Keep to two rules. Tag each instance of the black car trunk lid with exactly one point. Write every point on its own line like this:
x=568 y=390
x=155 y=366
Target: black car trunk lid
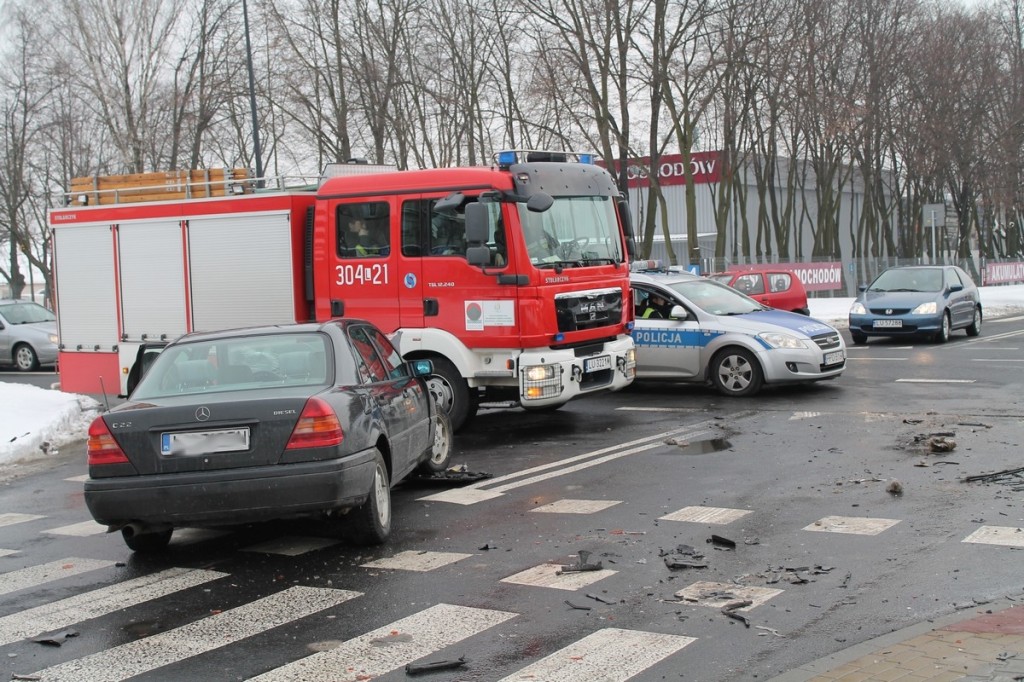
x=222 y=432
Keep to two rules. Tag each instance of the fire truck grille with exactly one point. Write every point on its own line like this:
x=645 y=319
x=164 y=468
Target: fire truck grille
x=588 y=309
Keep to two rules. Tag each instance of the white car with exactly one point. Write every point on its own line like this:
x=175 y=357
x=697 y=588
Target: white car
x=705 y=332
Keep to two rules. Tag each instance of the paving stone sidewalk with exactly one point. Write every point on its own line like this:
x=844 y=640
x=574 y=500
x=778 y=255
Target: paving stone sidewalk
x=985 y=644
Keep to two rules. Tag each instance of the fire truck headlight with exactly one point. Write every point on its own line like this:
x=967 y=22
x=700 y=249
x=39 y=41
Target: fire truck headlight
x=541 y=381
x=540 y=372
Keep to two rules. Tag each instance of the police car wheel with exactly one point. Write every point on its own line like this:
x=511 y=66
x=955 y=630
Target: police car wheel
x=735 y=372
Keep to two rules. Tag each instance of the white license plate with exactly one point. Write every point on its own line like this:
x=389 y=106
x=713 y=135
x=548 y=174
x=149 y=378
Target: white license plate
x=887 y=324
x=834 y=358
x=595 y=364
x=204 y=442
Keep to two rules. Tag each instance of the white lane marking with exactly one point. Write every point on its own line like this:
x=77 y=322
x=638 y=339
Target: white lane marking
x=996 y=359
x=713 y=515
x=392 y=646
x=568 y=506
x=417 y=561
x=990 y=338
x=8 y=552
x=290 y=546
x=878 y=359
x=853 y=525
x=716 y=595
x=1007 y=319
x=47 y=573
x=805 y=415
x=11 y=518
x=206 y=634
x=547 y=575
x=61 y=614
x=475 y=492
x=935 y=381
x=1008 y=536
x=657 y=409
x=609 y=655
x=83 y=529
x=78 y=479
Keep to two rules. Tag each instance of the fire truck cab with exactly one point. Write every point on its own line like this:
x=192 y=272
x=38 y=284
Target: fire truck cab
x=512 y=279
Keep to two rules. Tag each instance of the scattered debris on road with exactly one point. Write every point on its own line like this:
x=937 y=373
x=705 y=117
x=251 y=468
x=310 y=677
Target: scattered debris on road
x=56 y=638
x=730 y=610
x=417 y=668
x=582 y=565
x=718 y=542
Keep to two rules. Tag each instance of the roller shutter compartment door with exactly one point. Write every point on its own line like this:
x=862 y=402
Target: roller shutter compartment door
x=241 y=271
x=87 y=305
x=152 y=269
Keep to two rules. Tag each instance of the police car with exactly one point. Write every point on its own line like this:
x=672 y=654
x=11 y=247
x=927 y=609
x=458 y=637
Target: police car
x=694 y=329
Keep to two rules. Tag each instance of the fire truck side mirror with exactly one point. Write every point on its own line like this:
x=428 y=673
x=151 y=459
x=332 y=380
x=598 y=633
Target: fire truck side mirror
x=539 y=202
x=627 y=226
x=450 y=202
x=477 y=224
x=477 y=230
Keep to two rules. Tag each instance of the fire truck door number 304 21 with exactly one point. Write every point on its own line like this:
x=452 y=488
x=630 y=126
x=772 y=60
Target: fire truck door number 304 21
x=358 y=273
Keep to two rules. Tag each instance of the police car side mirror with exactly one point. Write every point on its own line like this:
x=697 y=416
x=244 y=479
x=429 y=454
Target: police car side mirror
x=678 y=313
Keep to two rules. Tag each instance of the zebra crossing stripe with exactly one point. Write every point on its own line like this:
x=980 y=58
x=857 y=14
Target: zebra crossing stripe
x=11 y=518
x=609 y=655
x=390 y=647
x=46 y=573
x=222 y=629
x=67 y=612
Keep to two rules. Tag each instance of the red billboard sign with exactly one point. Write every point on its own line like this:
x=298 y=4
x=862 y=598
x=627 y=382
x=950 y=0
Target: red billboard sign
x=815 y=276
x=706 y=168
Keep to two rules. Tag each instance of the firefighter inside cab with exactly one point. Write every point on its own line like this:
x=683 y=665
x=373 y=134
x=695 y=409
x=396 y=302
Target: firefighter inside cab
x=363 y=235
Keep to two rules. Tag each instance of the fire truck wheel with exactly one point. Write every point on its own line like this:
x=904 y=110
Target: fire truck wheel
x=440 y=446
x=371 y=523
x=451 y=392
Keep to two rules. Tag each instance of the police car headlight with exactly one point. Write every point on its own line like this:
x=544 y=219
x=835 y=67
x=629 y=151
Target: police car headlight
x=779 y=340
x=925 y=309
x=858 y=309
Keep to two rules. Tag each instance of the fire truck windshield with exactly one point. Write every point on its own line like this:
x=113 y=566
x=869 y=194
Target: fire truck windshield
x=574 y=232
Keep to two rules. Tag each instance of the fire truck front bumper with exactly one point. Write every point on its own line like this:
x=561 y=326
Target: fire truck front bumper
x=554 y=376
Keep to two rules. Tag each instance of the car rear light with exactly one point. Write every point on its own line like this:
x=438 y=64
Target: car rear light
x=318 y=427
x=102 y=447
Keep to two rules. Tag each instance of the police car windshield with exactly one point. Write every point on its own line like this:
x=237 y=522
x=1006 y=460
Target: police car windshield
x=715 y=298
x=574 y=232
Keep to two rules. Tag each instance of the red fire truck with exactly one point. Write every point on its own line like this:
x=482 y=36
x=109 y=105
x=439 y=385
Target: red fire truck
x=513 y=280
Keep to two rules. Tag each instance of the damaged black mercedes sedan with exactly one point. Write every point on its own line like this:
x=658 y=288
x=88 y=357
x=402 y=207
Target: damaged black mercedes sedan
x=247 y=425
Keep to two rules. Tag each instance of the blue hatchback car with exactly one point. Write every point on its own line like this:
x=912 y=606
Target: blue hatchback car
x=917 y=300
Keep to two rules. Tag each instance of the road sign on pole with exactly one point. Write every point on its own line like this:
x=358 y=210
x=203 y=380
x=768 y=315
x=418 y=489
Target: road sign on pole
x=934 y=215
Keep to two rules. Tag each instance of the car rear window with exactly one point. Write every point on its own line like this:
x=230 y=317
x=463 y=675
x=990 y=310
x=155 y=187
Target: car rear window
x=237 y=363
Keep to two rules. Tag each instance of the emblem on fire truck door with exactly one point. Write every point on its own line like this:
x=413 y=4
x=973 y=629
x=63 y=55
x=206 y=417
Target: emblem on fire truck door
x=409 y=280
x=480 y=314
